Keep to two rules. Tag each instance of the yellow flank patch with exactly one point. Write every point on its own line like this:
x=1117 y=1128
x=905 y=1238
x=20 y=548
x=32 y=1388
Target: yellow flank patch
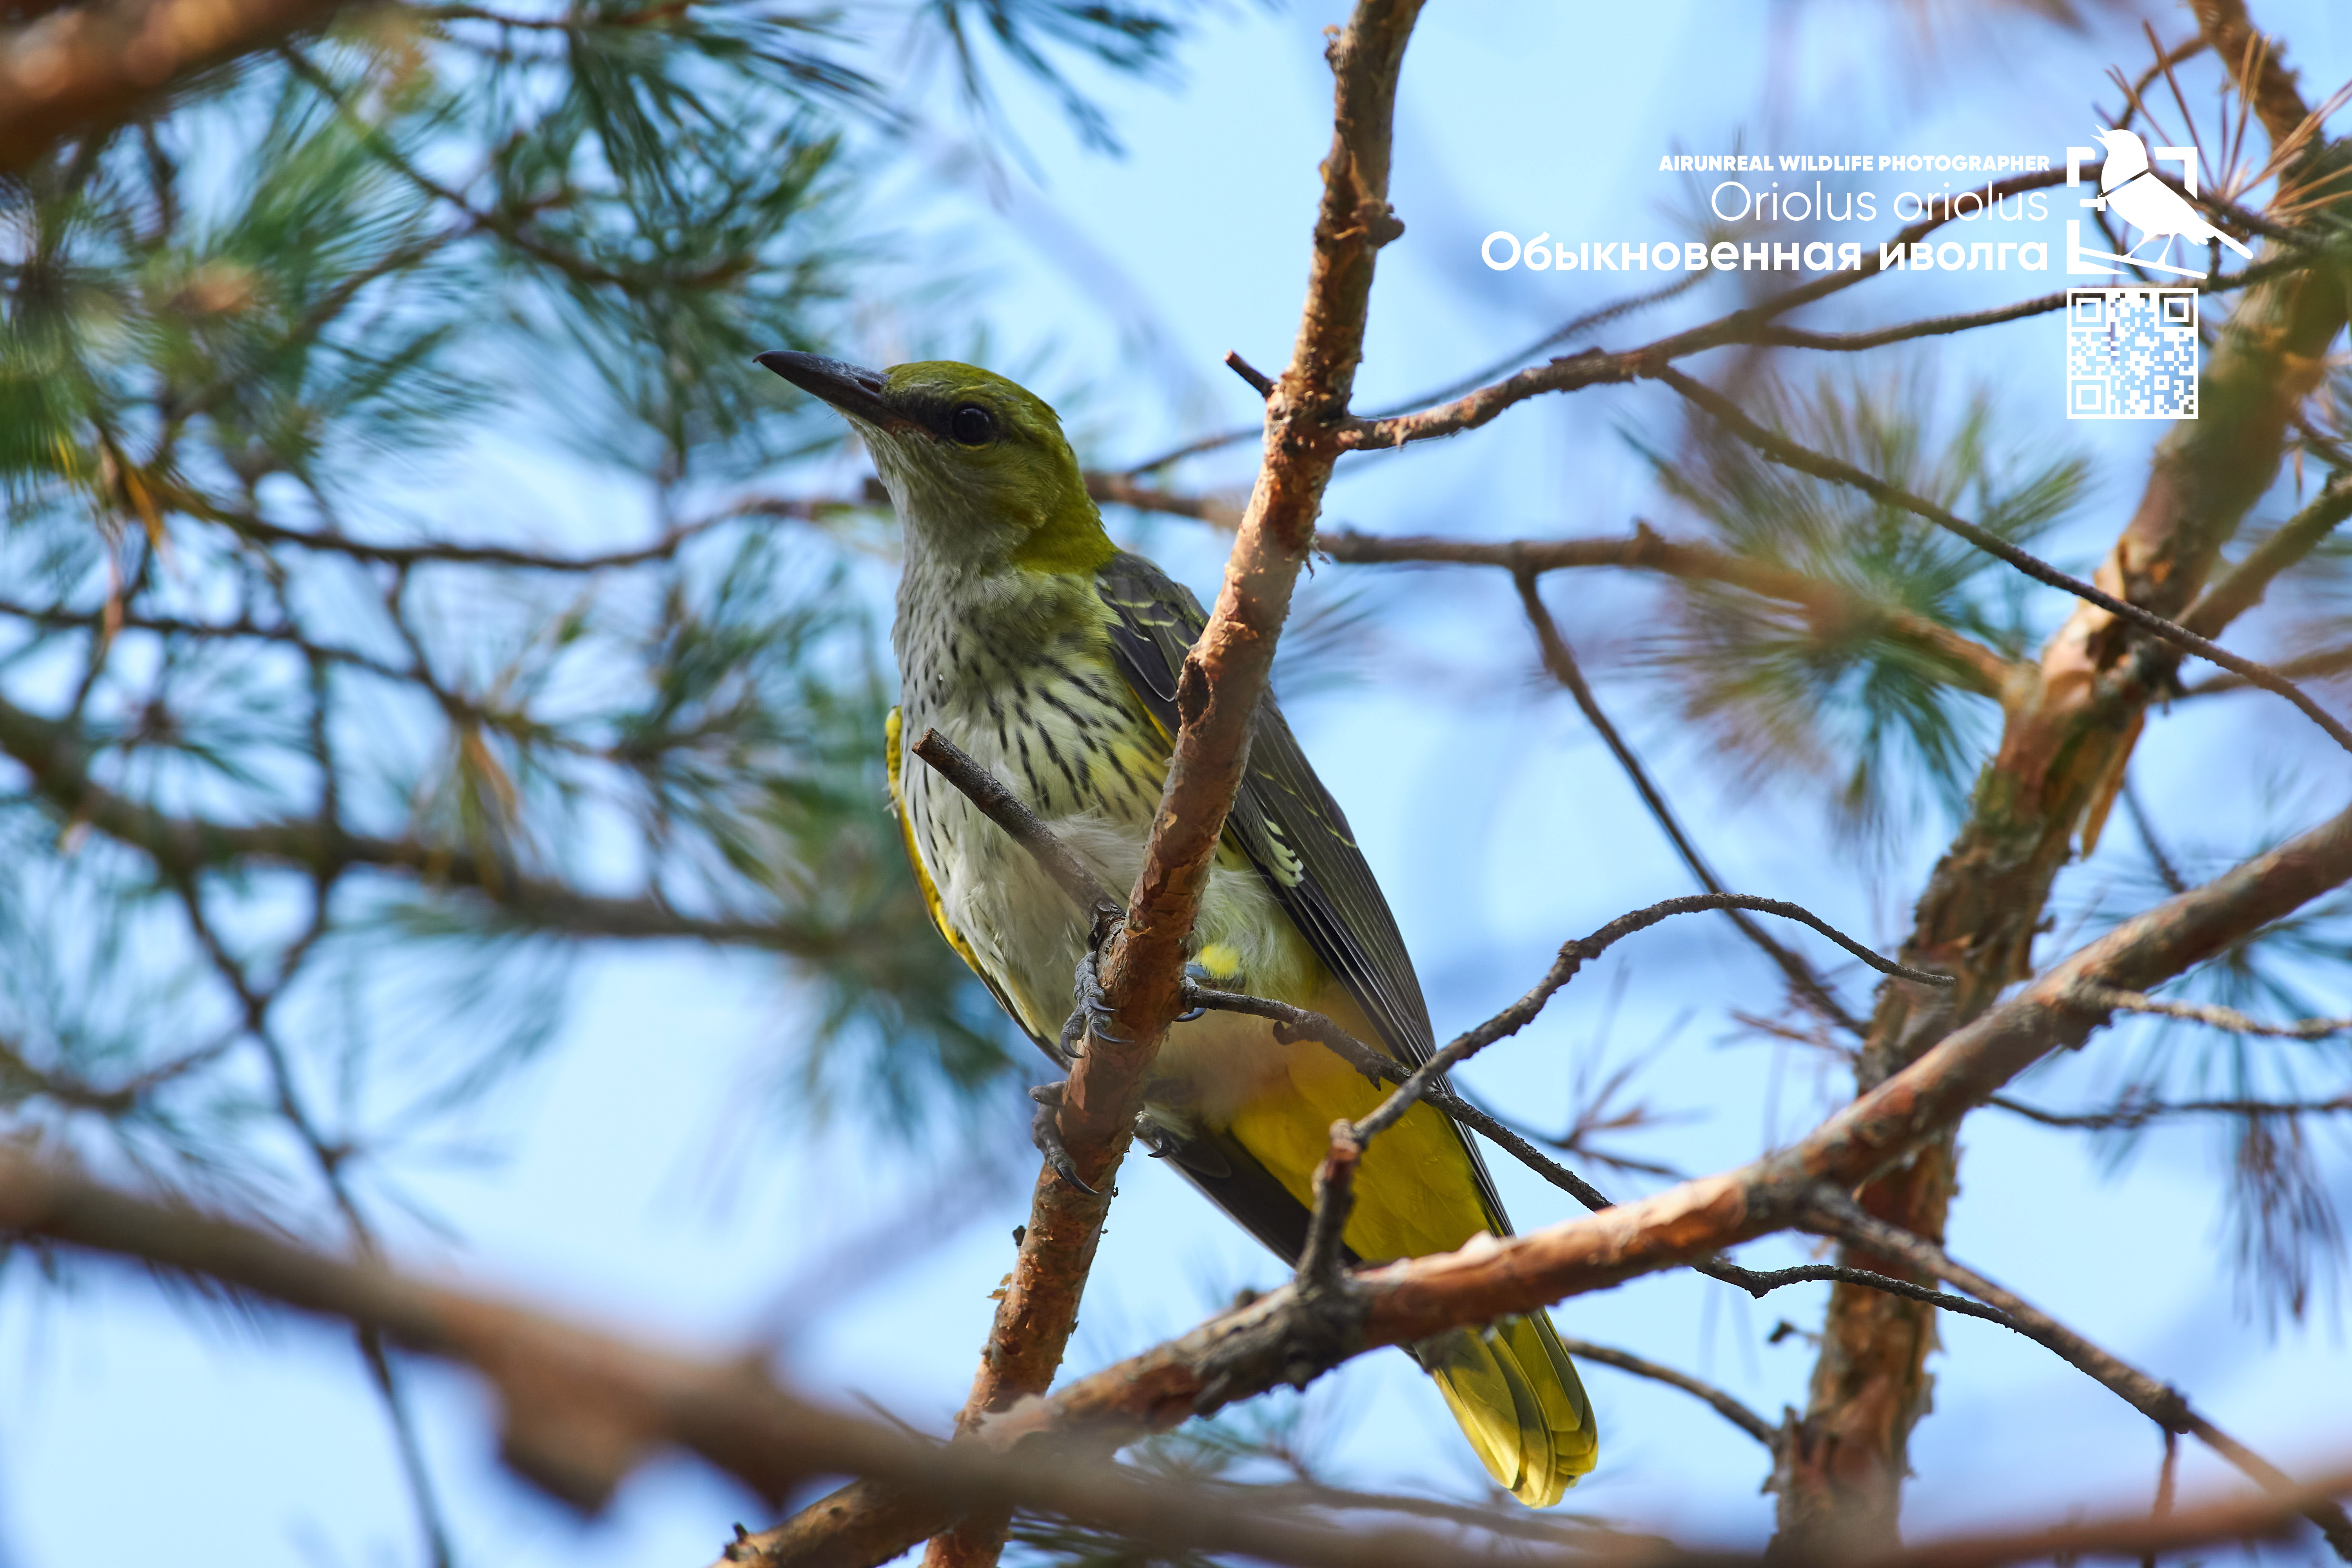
x=1221 y=960
x=893 y=731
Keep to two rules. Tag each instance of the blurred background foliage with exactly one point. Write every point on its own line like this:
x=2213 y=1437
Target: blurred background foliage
x=1877 y=718
x=329 y=759
x=391 y=729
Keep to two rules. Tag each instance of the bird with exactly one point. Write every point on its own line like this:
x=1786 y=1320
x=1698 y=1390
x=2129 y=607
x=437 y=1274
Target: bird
x=2128 y=185
x=1028 y=638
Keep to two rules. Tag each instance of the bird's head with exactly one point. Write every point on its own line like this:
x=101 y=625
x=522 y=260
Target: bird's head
x=976 y=466
x=2124 y=147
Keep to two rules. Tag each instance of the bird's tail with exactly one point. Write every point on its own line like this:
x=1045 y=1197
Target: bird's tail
x=1519 y=1403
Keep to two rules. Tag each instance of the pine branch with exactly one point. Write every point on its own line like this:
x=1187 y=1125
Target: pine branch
x=2227 y=1018
x=2241 y=588
x=59 y=761
x=1780 y=449
x=2062 y=756
x=1972 y=665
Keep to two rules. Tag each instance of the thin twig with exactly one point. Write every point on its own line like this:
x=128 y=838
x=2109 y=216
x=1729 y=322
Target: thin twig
x=1595 y=367
x=1303 y=1023
x=1723 y=1403
x=1761 y=1282
x=1561 y=660
x=2241 y=588
x=2227 y=1018
x=1000 y=805
x=2165 y=871
x=1124 y=490
x=1259 y=382
x=2326 y=664
x=1321 y=1260
x=1863 y=339
x=2132 y=1113
x=1575 y=953
x=661 y=549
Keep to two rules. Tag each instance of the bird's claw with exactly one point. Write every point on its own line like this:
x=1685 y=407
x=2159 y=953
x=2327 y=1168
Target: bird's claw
x=1045 y=1132
x=1195 y=976
x=1093 y=1013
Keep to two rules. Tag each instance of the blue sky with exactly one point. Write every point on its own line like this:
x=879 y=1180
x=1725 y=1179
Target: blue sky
x=645 y=1177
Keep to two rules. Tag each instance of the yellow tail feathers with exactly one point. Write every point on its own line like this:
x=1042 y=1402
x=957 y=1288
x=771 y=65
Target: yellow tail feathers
x=1519 y=1403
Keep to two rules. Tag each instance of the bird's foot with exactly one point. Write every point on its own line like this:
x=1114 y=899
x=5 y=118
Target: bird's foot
x=1045 y=1132
x=1196 y=976
x=1092 y=1011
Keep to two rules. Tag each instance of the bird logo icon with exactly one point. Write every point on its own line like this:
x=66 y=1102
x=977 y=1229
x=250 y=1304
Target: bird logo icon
x=2128 y=187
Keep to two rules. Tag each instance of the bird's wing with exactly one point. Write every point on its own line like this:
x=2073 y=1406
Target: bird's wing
x=1283 y=818
x=1231 y=1176
x=1285 y=822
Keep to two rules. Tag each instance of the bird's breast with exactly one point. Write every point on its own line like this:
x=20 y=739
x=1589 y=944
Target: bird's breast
x=1056 y=723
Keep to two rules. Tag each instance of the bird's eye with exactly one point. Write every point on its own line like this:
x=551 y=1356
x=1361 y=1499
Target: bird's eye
x=972 y=425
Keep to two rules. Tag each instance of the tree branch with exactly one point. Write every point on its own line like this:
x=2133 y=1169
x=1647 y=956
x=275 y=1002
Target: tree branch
x=255 y=527
x=1217 y=694
x=2326 y=664
x=1122 y=490
x=1576 y=953
x=581 y=1408
x=1836 y=1214
x=92 y=64
x=1594 y=367
x=1001 y=807
x=1299 y=1023
x=2263 y=271
x=2241 y=588
x=1271 y=1340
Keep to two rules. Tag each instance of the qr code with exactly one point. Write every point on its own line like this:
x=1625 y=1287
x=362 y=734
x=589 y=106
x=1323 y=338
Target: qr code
x=2131 y=354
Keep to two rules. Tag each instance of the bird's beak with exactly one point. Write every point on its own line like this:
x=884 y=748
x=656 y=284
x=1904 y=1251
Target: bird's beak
x=854 y=389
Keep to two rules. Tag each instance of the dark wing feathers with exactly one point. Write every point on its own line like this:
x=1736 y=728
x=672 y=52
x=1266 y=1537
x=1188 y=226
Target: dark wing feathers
x=1285 y=821
x=1282 y=818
